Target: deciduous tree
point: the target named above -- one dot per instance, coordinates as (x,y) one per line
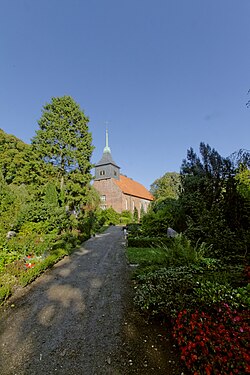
(166,186)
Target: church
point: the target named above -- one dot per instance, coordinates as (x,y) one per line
(116,190)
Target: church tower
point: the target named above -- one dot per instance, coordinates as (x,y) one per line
(106,168)
(116,190)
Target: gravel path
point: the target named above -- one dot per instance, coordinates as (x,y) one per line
(78,318)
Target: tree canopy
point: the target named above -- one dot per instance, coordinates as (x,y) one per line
(166,186)
(213,206)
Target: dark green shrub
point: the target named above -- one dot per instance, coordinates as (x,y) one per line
(165,291)
(134,229)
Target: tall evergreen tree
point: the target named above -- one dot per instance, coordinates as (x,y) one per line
(64,142)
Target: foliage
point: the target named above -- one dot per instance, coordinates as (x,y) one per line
(214,343)
(203,276)
(167,186)
(51,195)
(6,284)
(135,215)
(209,293)
(163,214)
(134,229)
(92,199)
(18,271)
(27,276)
(146,256)
(182,252)
(110,216)
(213,209)
(64,142)
(155,224)
(178,250)
(165,291)
(12,159)
(243,179)
(126,217)
(87,223)
(37,183)
(19,164)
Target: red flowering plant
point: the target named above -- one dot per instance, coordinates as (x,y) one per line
(214,342)
(30,261)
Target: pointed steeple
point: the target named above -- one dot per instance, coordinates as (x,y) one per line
(107,148)
(106,167)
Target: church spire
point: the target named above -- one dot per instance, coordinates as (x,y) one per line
(107,148)
(107,168)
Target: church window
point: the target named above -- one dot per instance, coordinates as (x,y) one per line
(115,174)
(126,204)
(103,198)
(102,173)
(133,205)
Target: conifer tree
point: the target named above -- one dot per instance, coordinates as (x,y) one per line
(64,142)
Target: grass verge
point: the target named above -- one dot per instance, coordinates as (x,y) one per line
(146,256)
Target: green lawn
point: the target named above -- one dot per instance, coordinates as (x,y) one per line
(146,256)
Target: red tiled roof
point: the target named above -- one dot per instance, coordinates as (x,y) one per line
(131,187)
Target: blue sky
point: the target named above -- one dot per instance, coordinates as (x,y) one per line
(165,74)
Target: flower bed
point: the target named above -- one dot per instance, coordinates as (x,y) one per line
(214,342)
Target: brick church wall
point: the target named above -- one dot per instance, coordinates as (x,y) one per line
(129,202)
(113,195)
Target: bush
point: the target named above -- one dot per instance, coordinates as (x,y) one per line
(126,217)
(178,251)
(165,291)
(134,229)
(182,252)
